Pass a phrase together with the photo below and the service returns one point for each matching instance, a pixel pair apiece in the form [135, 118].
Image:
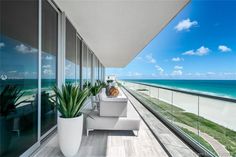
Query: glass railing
[208, 121]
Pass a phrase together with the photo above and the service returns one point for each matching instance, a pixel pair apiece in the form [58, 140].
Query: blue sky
[19, 61]
[199, 43]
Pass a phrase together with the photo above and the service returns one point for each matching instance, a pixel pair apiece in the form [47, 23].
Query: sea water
[223, 88]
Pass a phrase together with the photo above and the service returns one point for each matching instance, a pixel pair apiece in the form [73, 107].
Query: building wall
[39, 48]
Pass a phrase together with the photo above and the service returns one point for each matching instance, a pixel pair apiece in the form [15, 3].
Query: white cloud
[199, 52]
[199, 74]
[150, 59]
[229, 73]
[47, 66]
[137, 74]
[177, 73]
[159, 69]
[153, 75]
[139, 58]
[25, 49]
[68, 66]
[224, 48]
[211, 73]
[2, 45]
[185, 24]
[48, 58]
[202, 51]
[178, 67]
[177, 59]
[133, 74]
[190, 53]
[47, 72]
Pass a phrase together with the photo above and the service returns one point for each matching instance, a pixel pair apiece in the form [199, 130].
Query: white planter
[70, 134]
[94, 98]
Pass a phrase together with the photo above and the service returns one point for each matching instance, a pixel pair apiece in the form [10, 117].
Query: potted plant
[70, 123]
[9, 97]
[86, 84]
[94, 92]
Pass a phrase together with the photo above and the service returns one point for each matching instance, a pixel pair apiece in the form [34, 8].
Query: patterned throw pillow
[114, 91]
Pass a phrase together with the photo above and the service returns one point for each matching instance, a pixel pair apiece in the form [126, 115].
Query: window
[99, 70]
[19, 71]
[95, 67]
[84, 65]
[49, 64]
[70, 69]
[78, 61]
[89, 66]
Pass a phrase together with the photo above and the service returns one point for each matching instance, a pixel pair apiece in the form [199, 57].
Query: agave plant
[70, 100]
[9, 99]
[103, 84]
[86, 84]
[95, 89]
[99, 82]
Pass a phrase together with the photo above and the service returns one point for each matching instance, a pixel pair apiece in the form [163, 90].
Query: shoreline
[218, 111]
[187, 89]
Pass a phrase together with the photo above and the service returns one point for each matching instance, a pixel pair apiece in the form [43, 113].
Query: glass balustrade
[208, 121]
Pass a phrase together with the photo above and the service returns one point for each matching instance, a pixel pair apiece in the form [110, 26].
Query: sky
[19, 61]
[199, 43]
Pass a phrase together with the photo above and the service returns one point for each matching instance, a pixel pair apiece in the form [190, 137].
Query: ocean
[223, 88]
[29, 86]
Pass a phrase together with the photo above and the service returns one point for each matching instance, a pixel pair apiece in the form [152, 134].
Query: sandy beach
[218, 111]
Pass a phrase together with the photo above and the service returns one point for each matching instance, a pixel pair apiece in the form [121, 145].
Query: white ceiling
[117, 30]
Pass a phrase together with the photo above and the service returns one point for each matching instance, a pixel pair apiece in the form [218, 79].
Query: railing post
[172, 93]
[198, 101]
[149, 91]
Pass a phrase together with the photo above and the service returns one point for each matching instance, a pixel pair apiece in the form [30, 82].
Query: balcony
[49, 43]
[167, 129]
[196, 117]
[154, 139]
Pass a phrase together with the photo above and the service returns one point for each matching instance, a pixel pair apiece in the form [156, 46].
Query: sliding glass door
[18, 76]
[21, 123]
[70, 68]
[48, 66]
[30, 33]
[78, 61]
[89, 66]
[84, 65]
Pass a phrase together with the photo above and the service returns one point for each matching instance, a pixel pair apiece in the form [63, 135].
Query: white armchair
[113, 106]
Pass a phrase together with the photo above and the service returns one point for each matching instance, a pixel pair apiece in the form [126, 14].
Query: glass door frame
[78, 37]
[60, 71]
[59, 41]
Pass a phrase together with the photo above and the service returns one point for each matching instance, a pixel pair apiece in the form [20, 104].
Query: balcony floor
[110, 144]
[125, 143]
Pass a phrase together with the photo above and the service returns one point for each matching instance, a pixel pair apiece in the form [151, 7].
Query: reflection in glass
[78, 61]
[70, 68]
[18, 73]
[89, 65]
[84, 65]
[49, 64]
[95, 76]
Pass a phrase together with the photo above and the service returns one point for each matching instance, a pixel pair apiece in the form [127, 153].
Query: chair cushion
[131, 122]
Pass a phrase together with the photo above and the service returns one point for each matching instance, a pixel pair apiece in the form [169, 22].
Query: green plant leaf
[70, 99]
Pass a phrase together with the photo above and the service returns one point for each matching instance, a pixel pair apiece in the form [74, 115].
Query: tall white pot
[70, 134]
